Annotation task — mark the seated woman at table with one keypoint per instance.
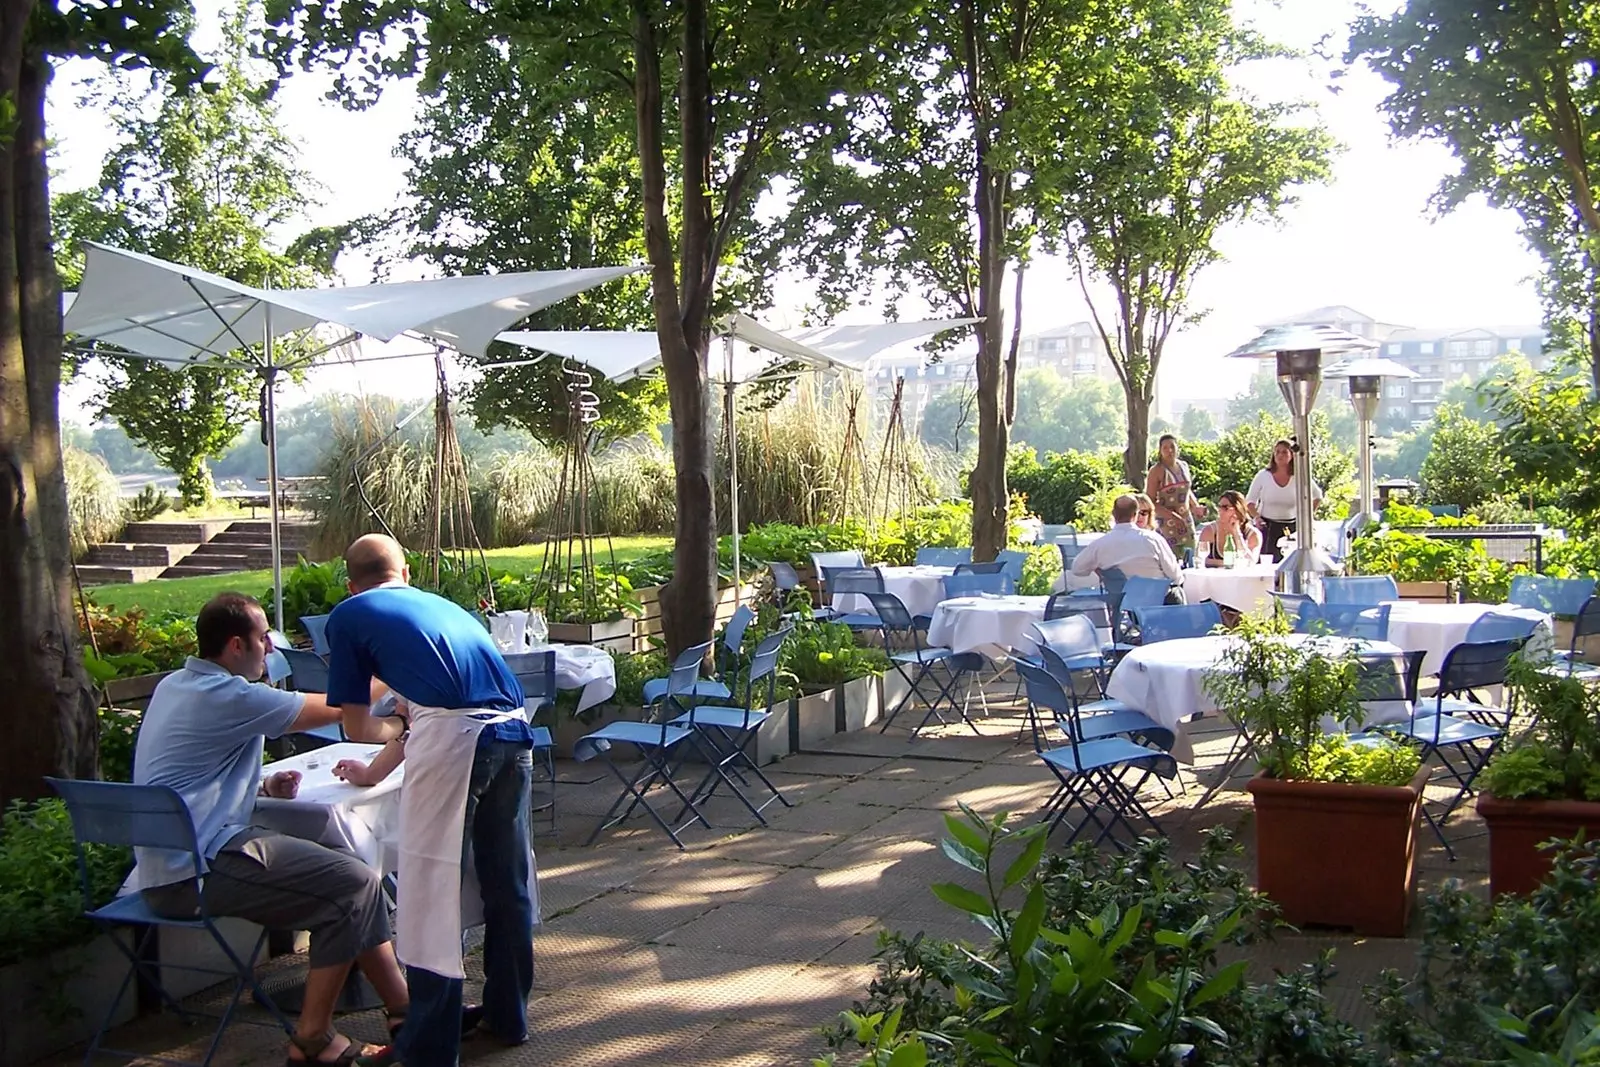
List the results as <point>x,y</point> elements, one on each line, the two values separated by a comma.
<point>1231,519</point>
<point>1145,517</point>
<point>202,736</point>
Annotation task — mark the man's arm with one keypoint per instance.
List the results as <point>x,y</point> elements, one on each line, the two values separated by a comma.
<point>1084,563</point>
<point>1167,560</point>
<point>361,725</point>
<point>315,711</point>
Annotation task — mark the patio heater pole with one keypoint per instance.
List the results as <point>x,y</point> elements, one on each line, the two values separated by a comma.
<point>1299,377</point>
<point>733,467</point>
<point>270,416</point>
<point>1364,389</point>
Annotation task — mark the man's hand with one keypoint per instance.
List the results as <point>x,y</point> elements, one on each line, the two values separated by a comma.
<point>355,772</point>
<point>283,784</point>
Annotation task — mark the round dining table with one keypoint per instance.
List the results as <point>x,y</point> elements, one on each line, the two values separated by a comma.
<point>1247,589</point>
<point>1435,629</point>
<point>920,588</point>
<point>990,624</point>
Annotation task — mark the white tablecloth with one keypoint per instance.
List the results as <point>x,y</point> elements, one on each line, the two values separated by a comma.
<point>1437,628</point>
<point>1166,680</point>
<point>919,588</point>
<point>584,667</point>
<point>992,625</point>
<point>1246,588</point>
<point>363,819</point>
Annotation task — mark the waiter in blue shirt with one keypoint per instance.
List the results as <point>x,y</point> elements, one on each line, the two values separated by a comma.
<point>469,768</point>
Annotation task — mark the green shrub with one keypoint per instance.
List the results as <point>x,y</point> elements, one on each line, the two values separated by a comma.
<point>94,499</point>
<point>119,733</point>
<point>1412,557</point>
<point>635,669</point>
<point>309,589</point>
<point>150,503</point>
<point>130,643</point>
<point>1575,557</point>
<point>1055,486</point>
<point>1040,570</point>
<point>41,901</point>
<point>1094,512</point>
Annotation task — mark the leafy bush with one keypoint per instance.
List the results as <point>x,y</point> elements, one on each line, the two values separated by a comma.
<point>635,669</point>
<point>309,589</point>
<point>1559,757</point>
<point>1055,486</point>
<point>94,499</point>
<point>895,541</point>
<point>1575,557</point>
<point>41,901</point>
<point>1464,466</point>
<point>820,655</point>
<point>781,542</point>
<point>1412,557</point>
<point>1094,511</point>
<point>1247,447</point>
<point>1531,959</point>
<point>1040,570</point>
<point>132,643</point>
<point>150,503</point>
<point>119,733</point>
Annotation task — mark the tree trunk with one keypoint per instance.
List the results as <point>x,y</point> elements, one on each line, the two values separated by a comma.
<point>48,722</point>
<point>1136,457</point>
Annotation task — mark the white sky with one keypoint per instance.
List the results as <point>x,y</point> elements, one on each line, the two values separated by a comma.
<point>1368,239</point>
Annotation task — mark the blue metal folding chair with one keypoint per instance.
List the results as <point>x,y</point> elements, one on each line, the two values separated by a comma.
<point>1387,685</point>
<point>1137,592</point>
<point>1058,534</point>
<point>785,580</point>
<point>1089,773</point>
<point>728,650</point>
<point>1344,620</point>
<point>993,584</point>
<point>536,673</point>
<point>1562,597</point>
<point>1069,553</point>
<point>316,628</point>
<point>858,581</point>
<point>943,557</point>
<point>1171,622</point>
<point>308,673</point>
<point>1068,648</point>
<point>993,566</point>
<point>1012,561</point>
<point>1289,604</point>
<point>835,561</point>
<point>1569,661</point>
<point>659,746</point>
<point>1368,590</point>
<point>728,733</point>
<point>917,664</point>
<point>1467,667</point>
<point>151,816</point>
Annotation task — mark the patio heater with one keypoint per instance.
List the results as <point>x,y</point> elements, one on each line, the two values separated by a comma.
<point>1298,351</point>
<point>1365,375</point>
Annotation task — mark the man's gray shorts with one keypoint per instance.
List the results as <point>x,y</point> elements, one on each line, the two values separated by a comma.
<point>288,883</point>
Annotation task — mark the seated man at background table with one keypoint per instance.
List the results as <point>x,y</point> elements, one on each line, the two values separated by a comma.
<point>203,736</point>
<point>469,769</point>
<point>1135,551</point>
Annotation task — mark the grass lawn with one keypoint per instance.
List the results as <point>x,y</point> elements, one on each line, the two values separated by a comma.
<point>186,595</point>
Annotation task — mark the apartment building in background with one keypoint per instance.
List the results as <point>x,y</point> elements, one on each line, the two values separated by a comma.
<point>1073,351</point>
<point>1439,355</point>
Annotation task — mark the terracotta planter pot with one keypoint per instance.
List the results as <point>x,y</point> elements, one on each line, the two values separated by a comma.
<point>1518,827</point>
<point>1339,855</point>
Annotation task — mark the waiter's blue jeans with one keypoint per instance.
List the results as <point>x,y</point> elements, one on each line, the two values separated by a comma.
<point>497,826</point>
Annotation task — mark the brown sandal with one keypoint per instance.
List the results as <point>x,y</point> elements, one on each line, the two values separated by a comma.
<point>313,1047</point>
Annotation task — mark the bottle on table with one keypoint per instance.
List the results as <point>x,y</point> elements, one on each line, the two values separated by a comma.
<point>1230,551</point>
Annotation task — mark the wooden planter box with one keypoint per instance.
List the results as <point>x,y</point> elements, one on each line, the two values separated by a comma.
<point>1339,855</point>
<point>122,691</point>
<point>614,636</point>
<point>56,1001</point>
<point>1429,592</point>
<point>1518,827</point>
<point>647,630</point>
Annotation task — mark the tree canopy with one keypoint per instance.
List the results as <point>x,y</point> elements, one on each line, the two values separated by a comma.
<point>1510,88</point>
<point>1056,414</point>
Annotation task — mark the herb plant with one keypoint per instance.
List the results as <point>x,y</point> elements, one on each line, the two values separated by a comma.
<point>1559,757</point>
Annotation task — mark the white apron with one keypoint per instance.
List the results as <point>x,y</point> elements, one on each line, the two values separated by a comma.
<point>436,881</point>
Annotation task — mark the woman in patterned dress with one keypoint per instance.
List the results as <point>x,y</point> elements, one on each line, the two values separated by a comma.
<point>1168,484</point>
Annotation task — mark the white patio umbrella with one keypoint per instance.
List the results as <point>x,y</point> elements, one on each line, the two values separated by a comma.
<point>182,316</point>
<point>624,354</point>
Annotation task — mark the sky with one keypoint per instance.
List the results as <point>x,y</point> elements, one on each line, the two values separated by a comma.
<point>1368,238</point>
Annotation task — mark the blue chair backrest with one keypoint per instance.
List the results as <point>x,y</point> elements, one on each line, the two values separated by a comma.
<point>784,577</point>
<point>943,557</point>
<point>825,561</point>
<point>536,673</point>
<point>1368,590</point>
<point>1145,592</point>
<point>307,671</point>
<point>993,566</point>
<point>1069,638</point>
<point>1452,511</point>
<point>119,813</point>
<point>1094,610</point>
<point>892,614</point>
<point>764,666</point>
<point>1170,622</point>
<point>1046,691</point>
<point>853,580</point>
<point>686,670</point>
<point>1493,626</point>
<point>1588,620</point>
<point>978,584</point>
<point>1069,553</point>
<point>1389,678</point>
<point>733,633</point>
<point>1012,562</point>
<point>1112,581</point>
<point>316,627</point>
<point>1344,620</point>
<point>1558,596</point>
<point>1475,665</point>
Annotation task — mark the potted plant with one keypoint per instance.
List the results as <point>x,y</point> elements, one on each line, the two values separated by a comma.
<point>840,681</point>
<point>1335,821</point>
<point>594,608</point>
<point>1545,784</point>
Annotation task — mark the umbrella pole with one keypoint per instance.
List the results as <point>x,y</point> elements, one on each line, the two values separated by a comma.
<point>733,470</point>
<point>269,375</point>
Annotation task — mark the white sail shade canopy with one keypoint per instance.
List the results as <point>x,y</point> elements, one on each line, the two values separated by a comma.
<point>182,315</point>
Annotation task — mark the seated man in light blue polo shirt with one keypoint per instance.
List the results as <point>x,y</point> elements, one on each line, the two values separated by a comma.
<point>203,736</point>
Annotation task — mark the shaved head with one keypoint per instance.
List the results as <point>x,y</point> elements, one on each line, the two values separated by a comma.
<point>373,559</point>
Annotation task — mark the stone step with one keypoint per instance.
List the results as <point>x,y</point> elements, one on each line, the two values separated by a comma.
<point>212,548</point>
<point>121,554</point>
<point>96,575</point>
<point>193,570</point>
<point>264,528</point>
<point>237,559</point>
<point>171,533</point>
<point>250,537</point>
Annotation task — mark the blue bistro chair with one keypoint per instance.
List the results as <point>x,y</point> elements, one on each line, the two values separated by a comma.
<point>785,580</point>
<point>943,557</point>
<point>994,583</point>
<point>1569,661</point>
<point>536,674</point>
<point>1561,597</point>
<point>918,662</point>
<point>1058,534</point>
<point>316,627</point>
<point>823,562</point>
<point>1171,622</point>
<point>662,747</point>
<point>728,650</point>
<point>1367,590</point>
<point>1090,775</point>
<point>728,733</point>
<point>1344,620</point>
<point>308,673</point>
<point>1068,648</point>
<point>853,580</point>
<point>152,816</point>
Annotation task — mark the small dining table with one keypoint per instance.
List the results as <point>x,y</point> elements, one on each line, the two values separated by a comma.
<point>919,587</point>
<point>990,624</point>
<point>364,820</point>
<point>1247,589</point>
<point>1434,629</point>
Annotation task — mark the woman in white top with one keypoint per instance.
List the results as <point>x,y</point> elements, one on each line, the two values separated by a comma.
<point>1271,498</point>
<point>1231,519</point>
